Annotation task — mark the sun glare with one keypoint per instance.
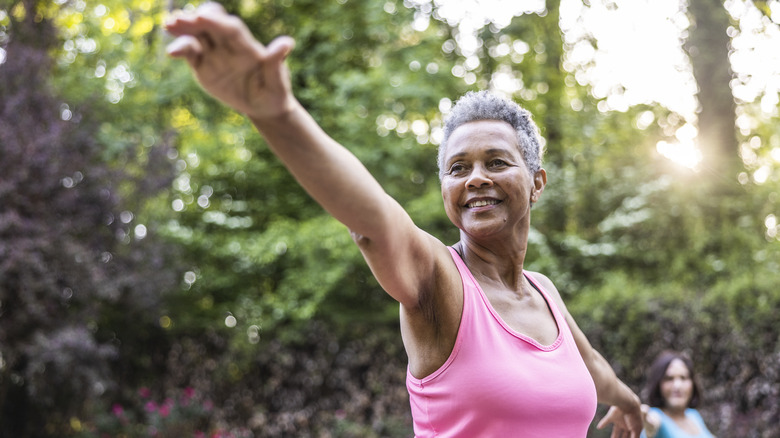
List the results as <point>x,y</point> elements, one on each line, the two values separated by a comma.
<point>684,151</point>
<point>685,154</point>
<point>637,57</point>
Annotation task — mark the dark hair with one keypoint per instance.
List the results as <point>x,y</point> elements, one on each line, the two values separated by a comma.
<point>656,375</point>
<point>484,105</point>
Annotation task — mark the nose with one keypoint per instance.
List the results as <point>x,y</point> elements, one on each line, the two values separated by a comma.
<point>479,178</point>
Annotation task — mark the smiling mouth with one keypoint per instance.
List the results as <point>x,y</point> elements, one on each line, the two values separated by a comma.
<point>482,203</point>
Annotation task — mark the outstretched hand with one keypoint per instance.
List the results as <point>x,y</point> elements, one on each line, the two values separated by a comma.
<point>651,421</point>
<point>231,64</point>
<point>624,424</point>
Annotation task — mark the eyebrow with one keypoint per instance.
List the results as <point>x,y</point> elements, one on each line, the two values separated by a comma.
<point>491,151</point>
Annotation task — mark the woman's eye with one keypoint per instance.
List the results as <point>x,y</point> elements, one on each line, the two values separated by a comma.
<point>457,168</point>
<point>497,163</point>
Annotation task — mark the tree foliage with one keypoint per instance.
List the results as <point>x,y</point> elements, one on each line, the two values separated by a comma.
<point>149,239</point>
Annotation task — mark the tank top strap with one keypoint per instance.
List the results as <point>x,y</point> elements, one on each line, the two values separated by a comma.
<point>557,314</point>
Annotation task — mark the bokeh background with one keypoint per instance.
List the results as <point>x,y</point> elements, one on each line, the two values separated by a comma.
<point>162,275</point>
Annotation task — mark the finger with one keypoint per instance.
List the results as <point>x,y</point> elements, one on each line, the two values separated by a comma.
<point>178,21</point>
<point>211,8</point>
<point>210,16</point>
<point>185,46</point>
<point>219,32</point>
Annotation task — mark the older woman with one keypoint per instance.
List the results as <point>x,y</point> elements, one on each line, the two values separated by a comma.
<point>492,349</point>
<point>673,393</point>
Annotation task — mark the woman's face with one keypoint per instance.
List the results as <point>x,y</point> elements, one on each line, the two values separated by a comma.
<point>486,184</point>
<point>677,386</point>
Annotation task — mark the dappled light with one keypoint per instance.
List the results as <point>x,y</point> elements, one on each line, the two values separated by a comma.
<point>162,274</point>
<point>772,228</point>
<point>637,57</point>
<point>755,59</point>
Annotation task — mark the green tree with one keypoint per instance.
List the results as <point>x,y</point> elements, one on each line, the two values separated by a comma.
<point>79,278</point>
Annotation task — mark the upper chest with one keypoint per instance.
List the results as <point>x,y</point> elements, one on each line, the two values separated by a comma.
<point>686,424</point>
<point>528,314</point>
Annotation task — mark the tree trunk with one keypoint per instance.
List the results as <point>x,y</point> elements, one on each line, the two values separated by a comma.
<point>708,47</point>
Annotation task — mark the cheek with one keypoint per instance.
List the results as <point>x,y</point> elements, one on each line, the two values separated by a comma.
<point>448,201</point>
<point>449,194</point>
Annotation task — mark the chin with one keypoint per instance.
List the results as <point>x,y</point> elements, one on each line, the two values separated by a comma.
<point>678,405</point>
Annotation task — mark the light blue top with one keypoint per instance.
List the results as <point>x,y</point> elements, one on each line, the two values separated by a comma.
<point>670,429</point>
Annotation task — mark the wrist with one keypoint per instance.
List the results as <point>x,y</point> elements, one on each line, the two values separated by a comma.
<point>284,114</point>
<point>630,402</point>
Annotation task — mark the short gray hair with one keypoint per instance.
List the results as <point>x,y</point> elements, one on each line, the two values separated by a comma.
<point>484,105</point>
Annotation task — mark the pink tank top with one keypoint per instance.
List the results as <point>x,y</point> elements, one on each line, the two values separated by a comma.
<point>500,383</point>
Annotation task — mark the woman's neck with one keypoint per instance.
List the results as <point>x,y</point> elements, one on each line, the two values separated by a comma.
<point>675,413</point>
<point>504,264</point>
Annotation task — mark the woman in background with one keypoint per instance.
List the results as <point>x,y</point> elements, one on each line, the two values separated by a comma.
<point>672,393</point>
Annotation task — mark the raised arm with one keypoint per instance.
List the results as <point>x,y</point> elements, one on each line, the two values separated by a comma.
<point>253,79</point>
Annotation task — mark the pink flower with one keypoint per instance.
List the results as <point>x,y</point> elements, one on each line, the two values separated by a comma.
<point>117,410</point>
<point>150,406</point>
<point>144,392</point>
<point>187,395</point>
<point>165,410</point>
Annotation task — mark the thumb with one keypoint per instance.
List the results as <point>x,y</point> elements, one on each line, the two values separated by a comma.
<point>279,48</point>
<point>610,417</point>
<point>187,47</point>
<point>603,422</point>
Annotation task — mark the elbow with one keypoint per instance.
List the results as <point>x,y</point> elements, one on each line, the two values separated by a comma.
<point>357,237</point>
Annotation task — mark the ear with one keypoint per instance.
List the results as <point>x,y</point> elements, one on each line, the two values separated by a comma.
<point>540,180</point>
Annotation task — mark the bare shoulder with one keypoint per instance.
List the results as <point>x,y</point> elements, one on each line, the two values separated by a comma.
<point>544,281</point>
<point>549,287</point>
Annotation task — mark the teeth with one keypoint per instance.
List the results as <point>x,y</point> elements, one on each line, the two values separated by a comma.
<point>482,203</point>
